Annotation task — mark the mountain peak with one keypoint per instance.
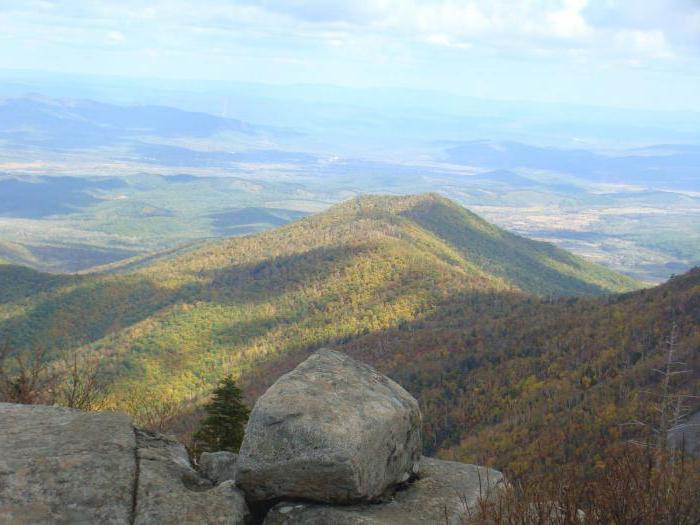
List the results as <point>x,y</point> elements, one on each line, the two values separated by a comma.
<point>429,228</point>
<point>392,204</point>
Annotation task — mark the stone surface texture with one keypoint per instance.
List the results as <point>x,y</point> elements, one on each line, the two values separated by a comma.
<point>63,466</point>
<point>171,491</point>
<point>445,493</point>
<point>332,430</point>
<point>218,466</point>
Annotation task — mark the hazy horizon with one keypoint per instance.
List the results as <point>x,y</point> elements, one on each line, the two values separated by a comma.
<point>591,53</point>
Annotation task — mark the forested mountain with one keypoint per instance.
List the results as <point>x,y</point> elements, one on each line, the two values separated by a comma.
<point>370,264</point>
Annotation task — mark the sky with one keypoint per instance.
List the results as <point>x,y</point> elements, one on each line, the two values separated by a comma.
<point>620,53</point>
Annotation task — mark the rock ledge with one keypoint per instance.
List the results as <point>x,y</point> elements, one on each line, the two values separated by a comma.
<point>64,466</point>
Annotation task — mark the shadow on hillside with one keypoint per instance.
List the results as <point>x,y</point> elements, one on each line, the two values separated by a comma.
<point>95,306</point>
<point>83,314</point>
<point>277,275</point>
<point>21,282</point>
<point>460,311</point>
<point>469,360</point>
<point>503,358</point>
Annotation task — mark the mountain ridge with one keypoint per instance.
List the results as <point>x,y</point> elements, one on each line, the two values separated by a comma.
<point>385,216</point>
<point>174,326</point>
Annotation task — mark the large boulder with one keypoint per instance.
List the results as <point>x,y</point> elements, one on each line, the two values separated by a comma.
<point>445,492</point>
<point>63,466</point>
<point>332,430</point>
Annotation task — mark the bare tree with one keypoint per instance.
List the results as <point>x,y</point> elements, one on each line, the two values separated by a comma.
<point>25,378</point>
<point>82,385</point>
<point>671,406</point>
<point>151,409</point>
<point>33,378</point>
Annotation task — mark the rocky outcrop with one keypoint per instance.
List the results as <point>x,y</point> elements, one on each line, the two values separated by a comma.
<point>445,492</point>
<point>332,430</point>
<point>331,443</point>
<point>66,466</point>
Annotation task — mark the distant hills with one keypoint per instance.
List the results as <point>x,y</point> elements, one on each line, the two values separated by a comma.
<point>42,197</point>
<point>72,224</point>
<point>633,209</point>
<point>70,123</point>
<point>664,166</point>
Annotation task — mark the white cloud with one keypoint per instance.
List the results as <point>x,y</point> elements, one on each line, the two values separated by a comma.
<point>568,22</point>
<point>348,37</point>
<point>635,30</point>
<point>648,43</point>
<point>648,29</point>
<point>445,41</point>
<point>116,37</point>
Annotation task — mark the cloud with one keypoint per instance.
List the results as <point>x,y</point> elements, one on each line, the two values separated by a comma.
<point>648,43</point>
<point>652,29</point>
<point>568,22</point>
<point>444,40</point>
<point>648,29</point>
<point>319,11</point>
<point>475,45</point>
<point>115,37</point>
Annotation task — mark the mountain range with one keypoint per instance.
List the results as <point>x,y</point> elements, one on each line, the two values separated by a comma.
<point>70,123</point>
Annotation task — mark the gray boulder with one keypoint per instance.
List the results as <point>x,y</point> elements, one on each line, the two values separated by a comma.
<point>445,492</point>
<point>218,466</point>
<point>62,466</point>
<point>332,430</point>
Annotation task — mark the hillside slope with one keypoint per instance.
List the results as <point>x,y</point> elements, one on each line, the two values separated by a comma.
<point>173,327</point>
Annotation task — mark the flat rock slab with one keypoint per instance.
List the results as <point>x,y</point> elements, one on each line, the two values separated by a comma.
<point>63,466</point>
<point>332,430</point>
<point>445,493</point>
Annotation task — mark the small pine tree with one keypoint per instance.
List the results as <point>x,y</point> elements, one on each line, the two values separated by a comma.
<point>227,415</point>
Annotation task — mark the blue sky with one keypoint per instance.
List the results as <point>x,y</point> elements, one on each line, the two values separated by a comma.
<point>628,53</point>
